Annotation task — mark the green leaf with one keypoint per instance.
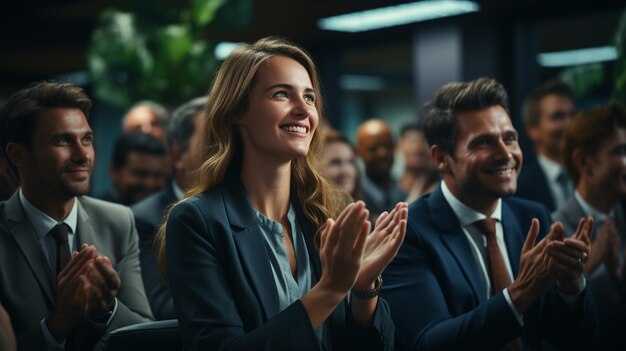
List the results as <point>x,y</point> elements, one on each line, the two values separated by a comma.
<point>174,42</point>
<point>203,11</point>
<point>583,79</point>
<point>156,51</point>
<point>115,57</point>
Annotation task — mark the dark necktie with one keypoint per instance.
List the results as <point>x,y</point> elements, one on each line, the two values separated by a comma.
<point>499,276</point>
<point>59,233</point>
<point>566,185</point>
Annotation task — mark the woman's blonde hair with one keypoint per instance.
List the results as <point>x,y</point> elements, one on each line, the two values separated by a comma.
<point>227,102</point>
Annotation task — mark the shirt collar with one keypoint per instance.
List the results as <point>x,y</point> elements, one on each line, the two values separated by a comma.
<point>42,223</point>
<point>550,168</point>
<point>464,213</point>
<point>274,226</point>
<point>588,209</point>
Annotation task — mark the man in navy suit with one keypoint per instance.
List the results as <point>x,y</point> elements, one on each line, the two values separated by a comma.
<point>457,283</point>
<point>183,135</point>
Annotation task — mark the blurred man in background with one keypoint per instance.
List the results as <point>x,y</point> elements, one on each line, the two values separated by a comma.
<point>148,117</point>
<point>594,150</point>
<point>375,147</point>
<point>183,132</point>
<point>547,111</point>
<point>137,168</point>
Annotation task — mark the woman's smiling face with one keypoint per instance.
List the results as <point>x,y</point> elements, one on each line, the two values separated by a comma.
<point>281,116</point>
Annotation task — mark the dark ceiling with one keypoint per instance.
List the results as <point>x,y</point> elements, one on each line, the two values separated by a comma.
<point>41,39</point>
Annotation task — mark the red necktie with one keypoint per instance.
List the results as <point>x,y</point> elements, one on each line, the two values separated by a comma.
<point>499,276</point>
<point>59,233</point>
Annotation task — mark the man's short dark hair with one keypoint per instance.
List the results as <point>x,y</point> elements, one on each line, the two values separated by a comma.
<point>19,115</point>
<point>410,127</point>
<point>440,125</point>
<point>181,124</point>
<point>588,130</point>
<point>530,109</point>
<point>135,142</point>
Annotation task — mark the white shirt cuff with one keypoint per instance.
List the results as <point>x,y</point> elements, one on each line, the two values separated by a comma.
<point>518,316</point>
<point>50,340</point>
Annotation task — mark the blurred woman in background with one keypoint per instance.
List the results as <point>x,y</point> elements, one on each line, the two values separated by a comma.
<point>337,164</point>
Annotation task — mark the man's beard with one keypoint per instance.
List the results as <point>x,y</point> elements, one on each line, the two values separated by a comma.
<point>70,190</point>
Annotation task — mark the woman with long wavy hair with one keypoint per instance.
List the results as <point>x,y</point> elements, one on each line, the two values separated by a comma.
<point>253,257</point>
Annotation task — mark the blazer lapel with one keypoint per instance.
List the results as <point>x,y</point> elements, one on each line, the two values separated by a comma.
<point>84,230</point>
<point>572,213</point>
<point>24,234</point>
<point>249,241</point>
<point>454,239</point>
<point>513,237</point>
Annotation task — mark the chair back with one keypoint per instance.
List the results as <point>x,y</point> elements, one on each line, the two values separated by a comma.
<point>154,336</point>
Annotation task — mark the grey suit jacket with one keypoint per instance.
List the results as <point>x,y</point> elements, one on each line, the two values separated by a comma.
<point>605,290</point>
<point>27,285</point>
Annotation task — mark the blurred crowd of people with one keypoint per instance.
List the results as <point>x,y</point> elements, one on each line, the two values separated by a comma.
<point>252,180</point>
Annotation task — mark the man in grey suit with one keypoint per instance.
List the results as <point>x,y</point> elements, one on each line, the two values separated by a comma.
<point>594,149</point>
<point>183,133</point>
<point>58,300</point>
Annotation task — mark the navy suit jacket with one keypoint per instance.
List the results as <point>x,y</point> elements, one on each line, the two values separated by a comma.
<point>148,219</point>
<point>532,184</point>
<point>439,303</point>
<point>224,289</point>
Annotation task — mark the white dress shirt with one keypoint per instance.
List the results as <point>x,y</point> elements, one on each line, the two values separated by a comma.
<point>553,170</point>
